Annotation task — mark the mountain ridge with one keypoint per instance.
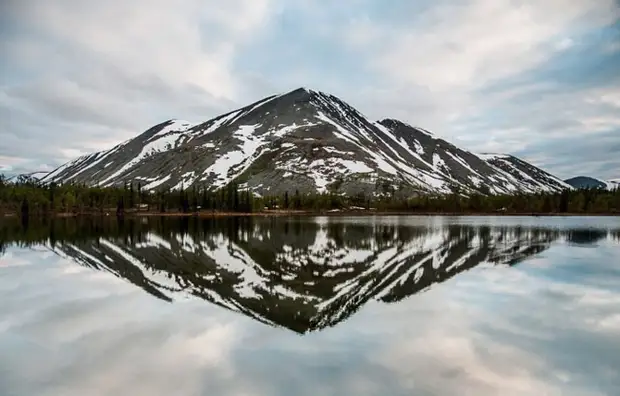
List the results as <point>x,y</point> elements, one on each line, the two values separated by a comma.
<point>302,140</point>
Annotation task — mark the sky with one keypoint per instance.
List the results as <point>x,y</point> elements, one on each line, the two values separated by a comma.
<point>536,79</point>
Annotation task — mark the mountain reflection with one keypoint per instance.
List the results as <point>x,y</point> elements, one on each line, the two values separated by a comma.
<point>300,274</point>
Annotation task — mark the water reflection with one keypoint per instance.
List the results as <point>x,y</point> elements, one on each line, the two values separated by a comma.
<point>588,236</point>
<point>142,313</point>
<point>299,274</point>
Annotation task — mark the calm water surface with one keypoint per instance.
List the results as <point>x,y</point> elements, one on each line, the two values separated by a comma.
<point>311,306</point>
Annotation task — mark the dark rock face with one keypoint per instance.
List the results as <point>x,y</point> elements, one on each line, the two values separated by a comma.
<point>302,140</point>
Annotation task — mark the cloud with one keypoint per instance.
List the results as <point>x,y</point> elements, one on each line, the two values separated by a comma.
<point>486,74</point>
<point>149,38</point>
<point>494,76</point>
<point>470,44</point>
<point>84,77</point>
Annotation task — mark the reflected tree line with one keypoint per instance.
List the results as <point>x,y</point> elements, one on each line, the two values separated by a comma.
<point>28,232</point>
<point>297,273</point>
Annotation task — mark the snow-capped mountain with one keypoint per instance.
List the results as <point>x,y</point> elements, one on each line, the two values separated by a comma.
<point>591,182</point>
<point>301,140</point>
<point>28,177</point>
<point>302,279</point>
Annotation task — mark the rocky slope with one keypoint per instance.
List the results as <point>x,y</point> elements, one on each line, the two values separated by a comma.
<point>302,140</point>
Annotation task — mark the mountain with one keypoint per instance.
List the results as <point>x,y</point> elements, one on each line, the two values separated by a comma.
<point>302,140</point>
<point>28,177</point>
<point>590,182</point>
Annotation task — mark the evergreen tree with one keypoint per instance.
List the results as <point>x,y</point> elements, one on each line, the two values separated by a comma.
<point>203,199</point>
<point>181,195</point>
<point>297,200</point>
<point>221,200</point>
<point>25,208</point>
<point>230,197</point>
<point>236,198</point>
<point>131,196</point>
<point>194,199</point>
<point>52,190</point>
<point>185,202</point>
<point>120,207</point>
<point>162,202</point>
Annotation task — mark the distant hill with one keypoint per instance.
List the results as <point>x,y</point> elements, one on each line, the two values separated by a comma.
<point>590,182</point>
<point>34,176</point>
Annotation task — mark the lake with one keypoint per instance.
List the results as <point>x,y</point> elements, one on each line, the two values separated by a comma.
<point>394,305</point>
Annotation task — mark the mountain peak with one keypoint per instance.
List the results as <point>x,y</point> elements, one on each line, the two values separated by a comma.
<point>298,94</point>
<point>303,89</point>
<point>307,94</point>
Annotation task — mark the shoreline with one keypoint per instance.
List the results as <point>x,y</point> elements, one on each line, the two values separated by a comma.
<point>311,213</point>
<point>366,213</point>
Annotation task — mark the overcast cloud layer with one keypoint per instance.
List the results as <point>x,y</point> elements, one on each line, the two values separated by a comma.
<point>538,79</point>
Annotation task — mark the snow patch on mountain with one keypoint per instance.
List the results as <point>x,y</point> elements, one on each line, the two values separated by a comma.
<point>491,156</point>
<point>156,183</point>
<point>174,126</point>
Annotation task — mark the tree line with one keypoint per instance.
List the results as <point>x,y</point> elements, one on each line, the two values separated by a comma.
<point>28,197</point>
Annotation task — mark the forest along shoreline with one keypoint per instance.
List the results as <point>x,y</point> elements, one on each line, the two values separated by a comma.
<point>284,213</point>
<point>30,198</point>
